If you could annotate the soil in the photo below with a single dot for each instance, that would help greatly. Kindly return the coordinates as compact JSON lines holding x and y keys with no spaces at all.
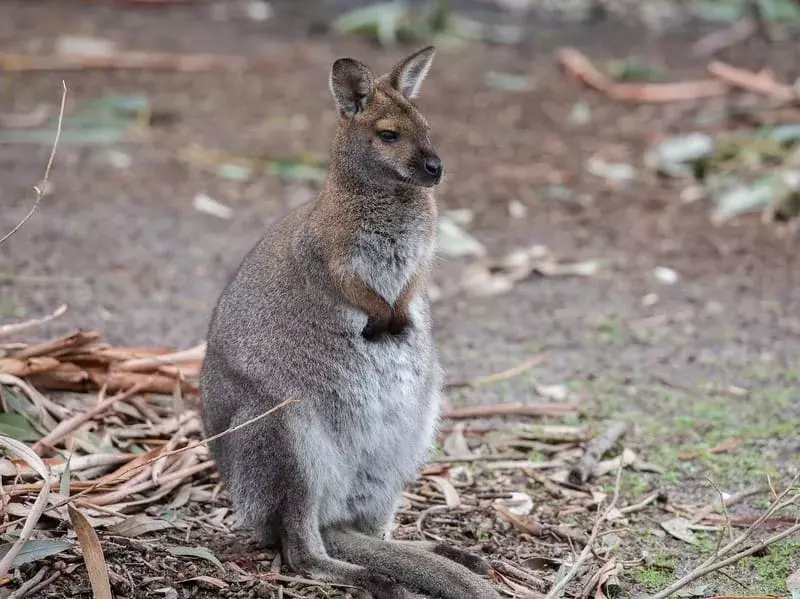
{"x":118,"y":240}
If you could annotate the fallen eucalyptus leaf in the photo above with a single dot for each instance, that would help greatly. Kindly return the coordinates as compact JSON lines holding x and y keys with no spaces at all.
{"x":198,"y":552}
{"x":679,"y":528}
{"x":33,"y":551}
{"x":616,"y":172}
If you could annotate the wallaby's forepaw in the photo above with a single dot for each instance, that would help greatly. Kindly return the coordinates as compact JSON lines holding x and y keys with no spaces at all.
{"x":399,"y":323}
{"x":468,"y":560}
{"x":382,"y":587}
{"x":374,"y":329}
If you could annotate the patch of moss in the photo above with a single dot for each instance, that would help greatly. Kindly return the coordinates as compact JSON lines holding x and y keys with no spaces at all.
{"x":770,"y":572}
{"x":660,"y":574}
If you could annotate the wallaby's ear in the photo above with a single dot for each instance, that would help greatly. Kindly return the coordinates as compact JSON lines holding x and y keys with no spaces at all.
{"x":407,"y":76}
{"x":351,"y":85}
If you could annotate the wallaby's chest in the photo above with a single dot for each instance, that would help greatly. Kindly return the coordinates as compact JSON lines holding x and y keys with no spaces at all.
{"x":385,"y":257}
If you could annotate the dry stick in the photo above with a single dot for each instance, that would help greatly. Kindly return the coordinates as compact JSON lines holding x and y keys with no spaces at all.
{"x":12,"y":329}
{"x":761,"y":83}
{"x":29,"y":584}
{"x":40,"y":189}
{"x":579,"y":66}
{"x":717,"y":41}
{"x":595,"y":450}
{"x":65,"y":427}
{"x":587,"y":550}
{"x":706,"y":511}
{"x":702,"y":571}
{"x":500,"y":376}
{"x":194,"y":445}
{"x":635,"y":507}
{"x":512,"y":409}
{"x":712,"y":565}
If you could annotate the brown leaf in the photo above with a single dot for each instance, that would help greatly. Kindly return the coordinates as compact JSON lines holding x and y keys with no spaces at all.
{"x":216,"y":582}
{"x":92,"y":554}
{"x":725,"y":446}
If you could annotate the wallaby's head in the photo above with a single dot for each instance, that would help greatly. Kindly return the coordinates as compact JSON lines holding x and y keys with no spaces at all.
{"x":382,"y":136}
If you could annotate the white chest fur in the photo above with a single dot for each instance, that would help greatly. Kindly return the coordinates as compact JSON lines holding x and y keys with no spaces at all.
{"x":386,"y":262}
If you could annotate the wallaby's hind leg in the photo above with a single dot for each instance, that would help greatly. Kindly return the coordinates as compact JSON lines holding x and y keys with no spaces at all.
{"x":304,"y":551}
{"x":465,"y":558}
{"x":409,"y":564}
{"x":468,"y":560}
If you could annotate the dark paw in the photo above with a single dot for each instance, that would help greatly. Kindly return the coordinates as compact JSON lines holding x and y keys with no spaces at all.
{"x":468,"y":560}
{"x":399,"y":324}
{"x":374,"y":329}
{"x":382,"y":587}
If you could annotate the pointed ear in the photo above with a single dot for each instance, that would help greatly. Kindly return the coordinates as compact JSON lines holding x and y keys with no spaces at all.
{"x":407,"y":76}
{"x":351,"y":85}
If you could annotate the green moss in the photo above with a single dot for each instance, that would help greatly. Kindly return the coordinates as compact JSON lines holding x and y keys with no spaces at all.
{"x":657,"y":575}
{"x":771,"y":571}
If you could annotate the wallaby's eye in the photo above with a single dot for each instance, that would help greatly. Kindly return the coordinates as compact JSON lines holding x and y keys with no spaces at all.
{"x":388,"y":136}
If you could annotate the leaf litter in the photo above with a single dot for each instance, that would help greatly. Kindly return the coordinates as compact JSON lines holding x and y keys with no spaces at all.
{"x":134,"y":471}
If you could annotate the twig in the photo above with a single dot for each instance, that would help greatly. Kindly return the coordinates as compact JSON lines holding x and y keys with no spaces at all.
{"x":635,"y":507}
{"x":587,"y":550}
{"x":42,"y":585}
{"x":724,"y":508}
{"x":228,"y":431}
{"x":500,"y":376}
{"x":706,"y":511}
{"x":41,"y":188}
{"x":187,"y":355}
{"x":29,"y":584}
{"x":579,"y":66}
{"x":761,"y":83}
{"x":595,"y":450}
{"x":718,"y":560}
{"x":511,"y":409}
{"x":65,"y":427}
{"x":717,"y":41}
{"x":713,"y":567}
{"x":12,"y":329}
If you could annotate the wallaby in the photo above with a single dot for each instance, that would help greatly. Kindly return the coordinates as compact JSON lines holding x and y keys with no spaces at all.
{"x":330,"y":308}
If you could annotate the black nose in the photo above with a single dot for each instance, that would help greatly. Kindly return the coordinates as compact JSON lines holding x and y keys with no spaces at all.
{"x":433,"y":166}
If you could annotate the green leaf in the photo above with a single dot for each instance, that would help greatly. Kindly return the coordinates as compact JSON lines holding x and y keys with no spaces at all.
{"x":743,"y":199}
{"x":507,"y":81}
{"x":17,"y":427}
{"x":35,"y":550}
{"x":721,"y":10}
{"x":296,"y":171}
{"x":198,"y":552}
{"x":63,"y":487}
{"x":381,"y":20}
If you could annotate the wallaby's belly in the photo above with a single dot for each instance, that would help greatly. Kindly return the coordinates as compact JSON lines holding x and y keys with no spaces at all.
{"x":378,"y":427}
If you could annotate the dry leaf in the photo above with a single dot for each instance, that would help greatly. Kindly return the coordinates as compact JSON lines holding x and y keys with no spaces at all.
{"x":199,"y":552}
{"x":446,"y":488}
{"x":92,"y":554}
{"x":519,"y":504}
{"x":216,"y":582}
{"x":138,"y":525}
{"x":679,"y":528}
{"x":35,"y":462}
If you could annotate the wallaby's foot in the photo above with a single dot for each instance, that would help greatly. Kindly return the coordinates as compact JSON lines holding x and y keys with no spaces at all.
{"x":399,"y":323}
{"x":466,"y":559}
{"x":382,"y":587}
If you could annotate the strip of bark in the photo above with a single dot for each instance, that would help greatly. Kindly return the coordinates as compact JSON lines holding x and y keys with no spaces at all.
{"x":595,"y":450}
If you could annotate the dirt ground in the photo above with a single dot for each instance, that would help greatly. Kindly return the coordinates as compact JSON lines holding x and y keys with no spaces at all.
{"x":120,"y":242}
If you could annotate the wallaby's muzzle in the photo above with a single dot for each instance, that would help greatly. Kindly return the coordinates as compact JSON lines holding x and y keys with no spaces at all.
{"x":432,"y":170}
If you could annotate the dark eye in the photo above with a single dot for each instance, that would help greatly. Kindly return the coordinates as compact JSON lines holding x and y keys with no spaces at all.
{"x":388,"y":136}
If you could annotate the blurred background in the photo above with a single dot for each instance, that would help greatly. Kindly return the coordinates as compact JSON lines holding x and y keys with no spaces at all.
{"x":621,"y":193}
{"x":619,"y":173}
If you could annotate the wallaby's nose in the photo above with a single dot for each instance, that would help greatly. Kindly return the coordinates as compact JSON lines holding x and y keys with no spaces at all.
{"x":433,"y":166}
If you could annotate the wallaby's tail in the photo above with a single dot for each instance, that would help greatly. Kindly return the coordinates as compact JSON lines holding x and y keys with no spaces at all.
{"x":408,"y":565}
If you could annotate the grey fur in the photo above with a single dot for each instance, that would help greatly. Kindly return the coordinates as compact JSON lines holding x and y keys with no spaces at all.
{"x":322,"y":478}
